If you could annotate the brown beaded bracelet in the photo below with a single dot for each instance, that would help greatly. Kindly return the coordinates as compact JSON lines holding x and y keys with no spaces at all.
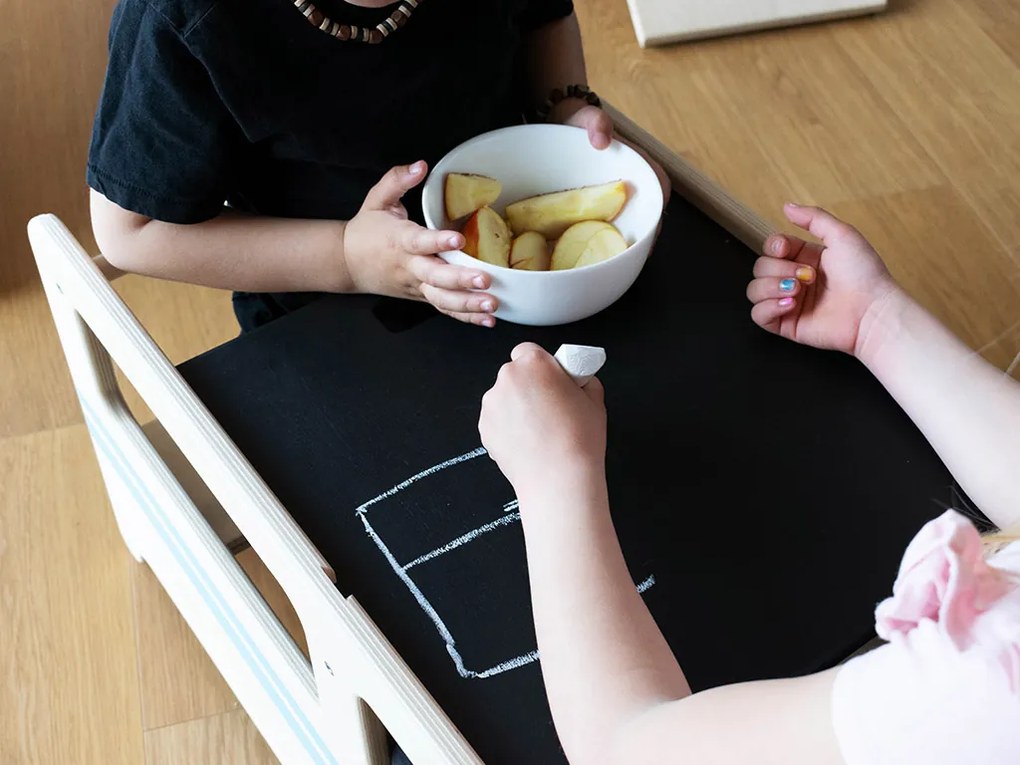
{"x":582,"y":92}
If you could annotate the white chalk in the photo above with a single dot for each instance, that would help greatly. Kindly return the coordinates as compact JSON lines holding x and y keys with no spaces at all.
{"x":581,"y":362}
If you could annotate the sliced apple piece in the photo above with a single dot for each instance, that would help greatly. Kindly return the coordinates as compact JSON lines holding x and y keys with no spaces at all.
{"x":487,"y":238}
{"x":603,"y":246}
{"x":574,"y":241}
{"x":530,"y":252}
{"x":552,"y":214}
{"x":466,"y":194}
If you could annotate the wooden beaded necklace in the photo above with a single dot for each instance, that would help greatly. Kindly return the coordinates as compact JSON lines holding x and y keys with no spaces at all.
{"x":374,"y":35}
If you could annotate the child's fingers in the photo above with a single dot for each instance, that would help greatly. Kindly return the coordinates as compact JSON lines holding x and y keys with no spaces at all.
{"x":772,"y":287}
{"x":458,"y":301}
{"x":391,"y":187}
{"x":437,"y":272}
{"x":767,"y":313}
{"x":478,"y":319}
{"x":766,"y":267}
{"x":782,"y":246}
{"x":422,"y":241}
{"x":596,"y":123}
{"x":600,"y":130}
{"x":819,"y":222}
{"x":526,"y":349}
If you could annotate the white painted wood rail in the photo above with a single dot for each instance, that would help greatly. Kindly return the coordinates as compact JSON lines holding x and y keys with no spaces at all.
{"x":328,"y":712}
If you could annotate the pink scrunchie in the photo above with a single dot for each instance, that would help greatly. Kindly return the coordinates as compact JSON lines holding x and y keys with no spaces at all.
{"x":944,"y":578}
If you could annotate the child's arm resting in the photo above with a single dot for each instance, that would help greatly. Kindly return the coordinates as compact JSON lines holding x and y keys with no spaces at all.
{"x":231,"y":251}
{"x":379,"y":251}
{"x":966,"y":408}
{"x":617,"y":693}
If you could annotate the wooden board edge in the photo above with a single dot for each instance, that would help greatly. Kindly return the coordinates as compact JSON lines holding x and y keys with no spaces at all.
{"x":696,"y":187}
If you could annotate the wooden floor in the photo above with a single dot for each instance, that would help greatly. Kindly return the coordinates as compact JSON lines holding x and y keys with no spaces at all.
{"x":906,"y":124}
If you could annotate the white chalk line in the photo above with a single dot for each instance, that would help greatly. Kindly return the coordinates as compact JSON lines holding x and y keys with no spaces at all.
{"x":641,"y":588}
{"x":418,"y":594}
{"x":463,"y":540}
{"x":515,"y":663}
{"x":528,"y":658}
{"x":423,"y":602}
{"x":423,"y":474}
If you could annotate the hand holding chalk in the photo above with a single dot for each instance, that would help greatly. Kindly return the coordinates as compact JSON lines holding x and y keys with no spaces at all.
{"x":581,"y":362}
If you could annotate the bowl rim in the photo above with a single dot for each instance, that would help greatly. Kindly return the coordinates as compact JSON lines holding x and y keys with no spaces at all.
{"x":435,"y":179}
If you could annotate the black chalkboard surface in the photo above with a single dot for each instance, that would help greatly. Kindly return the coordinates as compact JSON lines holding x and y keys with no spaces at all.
{"x":763,"y":492}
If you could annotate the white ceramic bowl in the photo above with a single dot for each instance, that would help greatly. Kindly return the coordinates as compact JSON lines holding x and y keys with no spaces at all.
{"x":538,"y":159}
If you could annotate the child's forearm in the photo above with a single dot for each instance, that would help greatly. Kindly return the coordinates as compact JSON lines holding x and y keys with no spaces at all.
{"x":232,"y":251}
{"x":555,"y":59}
{"x":604,"y":660}
{"x":968,"y":410}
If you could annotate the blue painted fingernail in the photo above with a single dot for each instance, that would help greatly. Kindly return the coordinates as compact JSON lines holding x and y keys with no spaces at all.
{"x":787,"y":285}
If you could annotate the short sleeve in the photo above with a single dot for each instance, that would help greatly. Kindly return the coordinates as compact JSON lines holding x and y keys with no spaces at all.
{"x":920,"y":699}
{"x":945,"y":689}
{"x":163,"y":143}
{"x":538,"y":13}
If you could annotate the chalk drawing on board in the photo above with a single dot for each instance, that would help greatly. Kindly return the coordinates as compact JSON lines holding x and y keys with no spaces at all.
{"x":508,"y":514}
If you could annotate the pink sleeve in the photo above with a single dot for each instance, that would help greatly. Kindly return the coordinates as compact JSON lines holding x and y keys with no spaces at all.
{"x":945,"y":690}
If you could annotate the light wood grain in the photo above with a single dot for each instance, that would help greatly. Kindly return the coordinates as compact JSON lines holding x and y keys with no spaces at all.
{"x":224,"y":739}
{"x":905,"y":123}
{"x":69,"y":666}
{"x":51,"y":76}
{"x":263,"y":580}
{"x":177,"y":681}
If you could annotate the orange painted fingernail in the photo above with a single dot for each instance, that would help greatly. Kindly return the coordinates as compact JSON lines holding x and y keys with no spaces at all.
{"x":805,"y":274}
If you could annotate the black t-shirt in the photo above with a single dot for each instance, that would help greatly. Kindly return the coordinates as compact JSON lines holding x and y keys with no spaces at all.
{"x":245,"y":102}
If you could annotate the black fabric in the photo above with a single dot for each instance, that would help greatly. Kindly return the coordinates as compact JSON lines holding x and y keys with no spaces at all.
{"x":245,"y":101}
{"x":770,"y":489}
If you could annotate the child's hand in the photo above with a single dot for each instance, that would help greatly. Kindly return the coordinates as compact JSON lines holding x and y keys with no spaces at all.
{"x":387,"y":254}
{"x":819,"y":295}
{"x":599,"y":127}
{"x":538,"y":425}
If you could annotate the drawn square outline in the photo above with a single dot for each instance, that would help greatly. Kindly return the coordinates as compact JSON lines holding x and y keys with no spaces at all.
{"x":510,"y":515}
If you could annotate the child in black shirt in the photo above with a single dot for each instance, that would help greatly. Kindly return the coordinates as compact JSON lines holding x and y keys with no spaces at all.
{"x":245,"y":102}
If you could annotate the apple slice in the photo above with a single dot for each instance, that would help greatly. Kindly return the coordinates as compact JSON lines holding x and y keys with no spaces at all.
{"x":487,"y":238}
{"x":572,"y":244}
{"x":466,"y":194}
{"x":552,"y":214}
{"x":530,"y":252}
{"x":603,"y":246}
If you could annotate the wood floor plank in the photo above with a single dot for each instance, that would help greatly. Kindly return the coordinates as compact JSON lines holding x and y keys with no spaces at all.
{"x":224,"y":739}
{"x":964,"y":109}
{"x":178,"y":680}
{"x":270,"y":589}
{"x":70,"y":680}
